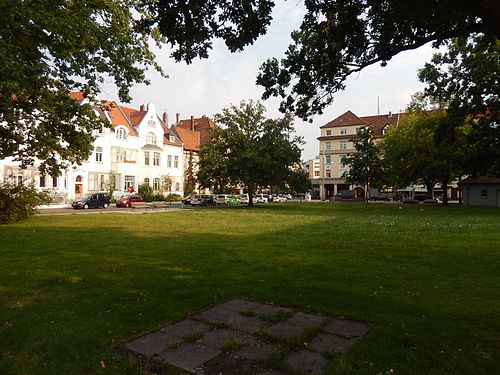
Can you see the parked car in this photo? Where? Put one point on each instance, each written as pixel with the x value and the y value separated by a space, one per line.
pixel 187 200
pixel 345 195
pixel 243 198
pixel 127 200
pixel 278 198
pixel 410 201
pixel 92 201
pixel 261 198
pixel 420 196
pixel 232 201
pixel 222 199
pixel 203 200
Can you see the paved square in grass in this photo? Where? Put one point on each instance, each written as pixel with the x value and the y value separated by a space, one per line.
pixel 238 336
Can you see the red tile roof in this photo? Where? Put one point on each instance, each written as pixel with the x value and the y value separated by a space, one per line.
pixel 201 125
pixel 379 122
pixel 133 115
pixel 77 95
pixel 118 117
pixel 345 119
pixel 190 138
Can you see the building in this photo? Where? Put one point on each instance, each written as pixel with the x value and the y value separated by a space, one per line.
pixel 138 148
pixel 335 143
pixel 481 191
pixel 193 133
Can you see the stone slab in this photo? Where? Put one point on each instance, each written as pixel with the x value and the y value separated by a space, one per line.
pixel 153 343
pixel 305 320
pixel 185 328
pixel 219 337
pixel 284 330
pixel 346 328
pixel 255 349
pixel 307 361
pixel 272 372
pixel 327 343
pixel 232 319
pixel 217 315
pixel 238 305
pixel 189 356
pixel 270 310
pixel 230 364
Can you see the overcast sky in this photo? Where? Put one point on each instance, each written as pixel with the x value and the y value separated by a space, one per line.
pixel 207 86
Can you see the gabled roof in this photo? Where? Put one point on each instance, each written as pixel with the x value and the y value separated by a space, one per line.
pixel 190 138
pixel 203 125
pixel 133 115
pixel 379 122
pixel 77 95
pixel 346 119
pixel 167 133
pixel 118 117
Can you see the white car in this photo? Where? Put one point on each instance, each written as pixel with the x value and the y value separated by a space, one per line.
pixel 221 199
pixel 243 198
pixel 261 198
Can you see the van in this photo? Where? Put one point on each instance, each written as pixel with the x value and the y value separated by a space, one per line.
pixel 222 199
pixel 261 198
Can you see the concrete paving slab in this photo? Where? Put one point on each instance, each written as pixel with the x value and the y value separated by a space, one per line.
pixel 255 349
pixel 307 361
pixel 217 315
pixel 189 356
pixel 327 343
pixel 346 328
pixel 270 310
pixel 185 328
pixel 230 364
pixel 250 325
pixel 218 338
pixel 238 305
pixel 306 320
pixel 153 343
pixel 284 330
pixel 272 372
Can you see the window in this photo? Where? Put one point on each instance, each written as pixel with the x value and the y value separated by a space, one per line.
pixel 156 184
pixel 54 182
pixel 358 130
pixel 328 173
pixel 146 157
pixel 169 161
pixel 343 132
pixel 151 138
pixel 156 158
pixel 328 145
pixel 328 132
pixel 177 186
pixel 102 183
pixel 316 173
pixel 151 122
pixel 42 181
pixel 98 154
pixel 20 179
pixel 171 138
pixel 129 181
pixel 146 181
pixel 176 162
pixel 328 159
pixel 343 145
pixel 342 161
pixel 484 193
pixel 121 133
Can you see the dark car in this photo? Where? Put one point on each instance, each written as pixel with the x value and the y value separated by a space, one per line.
pixel 92 201
pixel 127 200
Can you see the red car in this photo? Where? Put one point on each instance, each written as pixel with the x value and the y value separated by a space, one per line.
pixel 126 200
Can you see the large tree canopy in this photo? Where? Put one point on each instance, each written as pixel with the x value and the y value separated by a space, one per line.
pixel 50 47
pixel 336 38
pixel 250 150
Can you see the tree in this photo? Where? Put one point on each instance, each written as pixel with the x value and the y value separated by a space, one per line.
pixel 249 150
pixel 189 180
pixel 415 153
pixel 336 38
pixel 365 166
pixel 19 201
pixel 48 48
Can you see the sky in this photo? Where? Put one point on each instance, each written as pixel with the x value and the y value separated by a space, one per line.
pixel 206 86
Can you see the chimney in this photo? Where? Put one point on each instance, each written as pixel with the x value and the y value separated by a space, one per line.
pixel 177 118
pixel 192 123
pixel 142 108
pixel 165 118
pixel 390 114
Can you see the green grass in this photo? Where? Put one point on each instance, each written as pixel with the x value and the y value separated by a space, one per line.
pixel 427 279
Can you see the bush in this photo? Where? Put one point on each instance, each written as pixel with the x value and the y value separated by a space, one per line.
pixel 19 201
pixel 173 198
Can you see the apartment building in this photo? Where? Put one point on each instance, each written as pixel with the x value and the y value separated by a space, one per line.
pixel 335 143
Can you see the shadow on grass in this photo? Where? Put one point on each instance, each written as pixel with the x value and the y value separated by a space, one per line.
pixel 71 294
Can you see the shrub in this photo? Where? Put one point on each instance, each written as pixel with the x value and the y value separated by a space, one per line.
pixel 173 198
pixel 19 201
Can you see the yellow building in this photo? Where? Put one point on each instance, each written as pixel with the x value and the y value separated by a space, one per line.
pixel 335 143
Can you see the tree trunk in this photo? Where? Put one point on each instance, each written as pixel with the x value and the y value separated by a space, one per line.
pixel 444 186
pixel 367 195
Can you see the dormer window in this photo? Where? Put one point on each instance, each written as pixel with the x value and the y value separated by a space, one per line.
pixel 121 133
pixel 151 138
pixel 171 138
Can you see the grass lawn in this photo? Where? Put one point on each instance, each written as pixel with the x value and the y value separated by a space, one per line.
pixel 427 279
